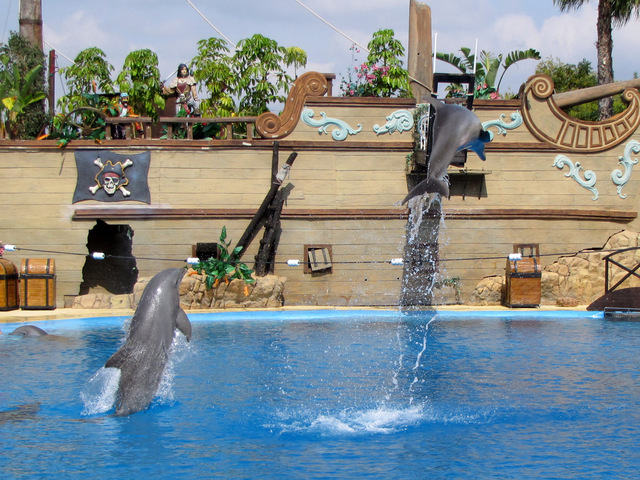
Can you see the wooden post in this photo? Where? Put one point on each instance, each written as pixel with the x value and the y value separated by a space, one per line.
pixel 420 64
pixel 260 217
pixel 52 83
pixel 31 21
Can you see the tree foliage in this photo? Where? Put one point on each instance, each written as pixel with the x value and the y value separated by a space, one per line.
pixel 260 64
pixel 611 14
pixel 22 87
pixel 383 74
pixel 140 78
pixel 567 77
pixel 89 73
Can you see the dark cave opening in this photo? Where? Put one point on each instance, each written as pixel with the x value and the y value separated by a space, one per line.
pixel 117 273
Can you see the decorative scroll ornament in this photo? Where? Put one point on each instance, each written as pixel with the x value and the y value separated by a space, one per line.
pixel 399 121
pixel 619 178
pixel 310 84
pixel 341 131
pixel 549 123
pixel 589 180
pixel 501 126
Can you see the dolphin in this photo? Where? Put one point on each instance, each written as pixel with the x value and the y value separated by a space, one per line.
pixel 28 411
pixel 29 331
pixel 456 128
pixel 143 357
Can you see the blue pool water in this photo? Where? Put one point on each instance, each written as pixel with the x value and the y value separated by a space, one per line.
pixel 334 394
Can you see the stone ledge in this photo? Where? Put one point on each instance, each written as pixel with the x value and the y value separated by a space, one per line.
pixel 265 292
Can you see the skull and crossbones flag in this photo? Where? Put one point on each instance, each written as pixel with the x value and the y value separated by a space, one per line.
pixel 109 177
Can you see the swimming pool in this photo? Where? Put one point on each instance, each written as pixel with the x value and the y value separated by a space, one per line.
pixel 335 394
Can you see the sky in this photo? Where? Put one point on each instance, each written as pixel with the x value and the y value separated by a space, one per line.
pixel 172 29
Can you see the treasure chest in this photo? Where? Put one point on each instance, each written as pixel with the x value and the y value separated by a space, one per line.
pixel 38 284
pixel 523 282
pixel 9 299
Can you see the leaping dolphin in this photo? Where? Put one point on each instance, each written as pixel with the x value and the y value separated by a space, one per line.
pixel 144 355
pixel 29 331
pixel 455 129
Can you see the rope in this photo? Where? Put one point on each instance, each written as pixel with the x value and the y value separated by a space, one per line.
pixel 212 25
pixel 294 262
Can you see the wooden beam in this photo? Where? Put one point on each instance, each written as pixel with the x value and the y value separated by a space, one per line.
pixel 162 213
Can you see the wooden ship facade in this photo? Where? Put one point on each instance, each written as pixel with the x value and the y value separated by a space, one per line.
pixel 548 180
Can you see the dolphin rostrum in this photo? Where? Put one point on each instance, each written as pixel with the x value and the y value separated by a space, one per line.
pixel 455 129
pixel 29 331
pixel 144 355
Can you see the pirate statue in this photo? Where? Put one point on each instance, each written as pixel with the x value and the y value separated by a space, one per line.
pixel 125 110
pixel 184 85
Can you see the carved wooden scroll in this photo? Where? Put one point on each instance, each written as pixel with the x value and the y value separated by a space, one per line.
pixel 549 123
pixel 270 125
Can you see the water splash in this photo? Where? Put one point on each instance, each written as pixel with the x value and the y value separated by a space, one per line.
pixel 417 207
pixel 377 420
pixel 99 395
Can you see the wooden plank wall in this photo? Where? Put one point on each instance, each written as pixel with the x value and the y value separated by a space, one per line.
pixel 346 195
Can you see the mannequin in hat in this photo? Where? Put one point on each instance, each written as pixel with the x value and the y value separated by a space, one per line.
pixel 125 110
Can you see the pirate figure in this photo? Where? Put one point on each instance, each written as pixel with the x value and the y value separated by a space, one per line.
pixel 184 85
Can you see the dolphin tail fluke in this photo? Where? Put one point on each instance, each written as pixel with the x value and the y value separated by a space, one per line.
pixel 430 185
pixel 183 324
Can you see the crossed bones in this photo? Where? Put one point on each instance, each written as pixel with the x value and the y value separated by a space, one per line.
pixel 113 188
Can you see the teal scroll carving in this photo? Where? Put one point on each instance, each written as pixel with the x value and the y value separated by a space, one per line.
pixel 501 126
pixel 620 178
pixel 589 180
pixel 339 133
pixel 399 121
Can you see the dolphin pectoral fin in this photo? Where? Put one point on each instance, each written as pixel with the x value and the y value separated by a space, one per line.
pixel 183 324
pixel 118 359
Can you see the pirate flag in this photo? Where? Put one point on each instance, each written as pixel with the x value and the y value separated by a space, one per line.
pixel 109 177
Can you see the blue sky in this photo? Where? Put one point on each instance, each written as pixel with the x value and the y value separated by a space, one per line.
pixel 173 28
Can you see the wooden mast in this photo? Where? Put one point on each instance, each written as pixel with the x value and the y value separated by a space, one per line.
pixel 31 21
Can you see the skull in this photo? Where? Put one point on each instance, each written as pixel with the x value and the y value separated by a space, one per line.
pixel 110 183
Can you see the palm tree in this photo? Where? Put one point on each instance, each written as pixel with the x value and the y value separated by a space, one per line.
pixel 487 67
pixel 611 13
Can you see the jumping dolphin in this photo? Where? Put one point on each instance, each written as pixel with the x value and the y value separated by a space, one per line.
pixel 29 331
pixel 144 355
pixel 455 129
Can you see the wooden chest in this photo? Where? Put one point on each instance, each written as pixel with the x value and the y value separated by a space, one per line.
pixel 523 279
pixel 9 298
pixel 38 284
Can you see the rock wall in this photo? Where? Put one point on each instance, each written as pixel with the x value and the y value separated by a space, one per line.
pixel 265 292
pixel 574 280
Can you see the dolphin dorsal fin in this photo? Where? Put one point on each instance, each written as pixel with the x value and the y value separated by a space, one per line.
pixel 183 324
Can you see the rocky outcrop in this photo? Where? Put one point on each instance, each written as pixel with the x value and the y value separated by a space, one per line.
pixel 265 292
pixel 573 280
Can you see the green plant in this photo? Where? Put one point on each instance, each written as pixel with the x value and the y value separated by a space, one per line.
pixel 140 78
pixel 382 75
pixel 224 268
pixel 90 73
pixel 22 86
pixel 17 92
pixel 212 67
pixel 487 67
pixel 567 76
pixel 259 66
